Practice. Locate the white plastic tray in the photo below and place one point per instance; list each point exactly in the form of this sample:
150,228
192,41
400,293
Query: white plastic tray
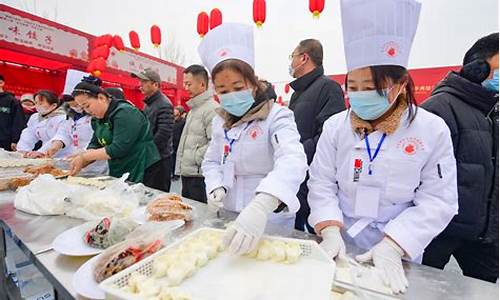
242,278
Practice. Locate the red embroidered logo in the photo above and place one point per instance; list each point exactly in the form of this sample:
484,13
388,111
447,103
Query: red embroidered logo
391,49
223,52
254,132
411,145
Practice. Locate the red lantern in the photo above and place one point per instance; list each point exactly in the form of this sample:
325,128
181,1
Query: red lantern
215,18
280,100
106,39
259,12
97,66
118,43
316,7
202,24
155,36
287,88
134,40
101,51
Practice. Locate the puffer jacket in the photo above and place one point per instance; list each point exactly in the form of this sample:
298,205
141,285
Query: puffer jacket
471,113
196,135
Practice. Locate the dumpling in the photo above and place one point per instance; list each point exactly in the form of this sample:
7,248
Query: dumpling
265,251
293,252
134,280
148,288
278,251
178,272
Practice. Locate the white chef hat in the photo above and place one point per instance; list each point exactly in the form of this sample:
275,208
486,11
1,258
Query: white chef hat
228,41
73,77
378,32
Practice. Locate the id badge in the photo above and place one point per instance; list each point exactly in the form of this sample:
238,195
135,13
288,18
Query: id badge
228,174
367,201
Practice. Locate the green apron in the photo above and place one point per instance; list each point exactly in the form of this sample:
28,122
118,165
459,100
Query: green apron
143,153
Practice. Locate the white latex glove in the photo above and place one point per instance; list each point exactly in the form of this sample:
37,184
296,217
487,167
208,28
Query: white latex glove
244,234
215,198
386,256
332,242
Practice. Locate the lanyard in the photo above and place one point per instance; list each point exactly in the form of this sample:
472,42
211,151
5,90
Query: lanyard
75,134
372,158
231,141
229,146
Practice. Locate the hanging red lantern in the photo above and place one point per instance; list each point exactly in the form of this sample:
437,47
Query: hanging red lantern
97,66
215,18
316,7
106,39
259,12
287,88
202,24
280,100
134,40
155,36
101,51
118,43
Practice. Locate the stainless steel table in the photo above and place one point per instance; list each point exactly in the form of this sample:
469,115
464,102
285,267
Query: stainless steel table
34,234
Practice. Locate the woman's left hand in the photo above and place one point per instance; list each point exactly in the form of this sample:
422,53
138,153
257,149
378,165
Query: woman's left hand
34,154
386,256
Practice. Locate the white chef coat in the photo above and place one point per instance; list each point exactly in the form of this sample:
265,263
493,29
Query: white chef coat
41,129
76,136
414,175
267,157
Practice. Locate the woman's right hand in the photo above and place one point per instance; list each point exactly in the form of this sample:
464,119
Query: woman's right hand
215,199
332,242
76,165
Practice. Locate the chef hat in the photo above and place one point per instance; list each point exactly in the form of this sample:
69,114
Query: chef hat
378,32
73,77
228,41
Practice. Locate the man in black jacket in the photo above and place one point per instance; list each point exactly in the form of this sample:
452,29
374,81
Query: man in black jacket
468,103
159,111
315,99
179,122
12,120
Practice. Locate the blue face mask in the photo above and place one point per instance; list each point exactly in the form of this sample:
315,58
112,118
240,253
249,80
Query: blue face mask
369,105
237,103
492,84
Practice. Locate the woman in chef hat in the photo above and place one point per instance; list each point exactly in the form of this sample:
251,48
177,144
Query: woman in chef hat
254,163
384,174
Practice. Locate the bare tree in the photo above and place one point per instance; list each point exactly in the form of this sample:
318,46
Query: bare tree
173,52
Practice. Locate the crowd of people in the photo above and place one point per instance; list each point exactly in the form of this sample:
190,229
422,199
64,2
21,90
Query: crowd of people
399,181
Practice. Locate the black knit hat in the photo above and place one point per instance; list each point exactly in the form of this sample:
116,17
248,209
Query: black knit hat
116,93
484,48
66,98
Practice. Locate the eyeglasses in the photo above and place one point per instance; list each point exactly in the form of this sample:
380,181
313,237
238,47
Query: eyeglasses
291,56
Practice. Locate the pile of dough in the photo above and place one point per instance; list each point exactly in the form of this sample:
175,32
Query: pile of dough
277,251
182,262
87,181
22,162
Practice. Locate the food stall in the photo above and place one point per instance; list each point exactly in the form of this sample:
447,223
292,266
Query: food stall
35,53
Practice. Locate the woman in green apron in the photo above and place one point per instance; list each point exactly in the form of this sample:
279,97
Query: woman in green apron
122,135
